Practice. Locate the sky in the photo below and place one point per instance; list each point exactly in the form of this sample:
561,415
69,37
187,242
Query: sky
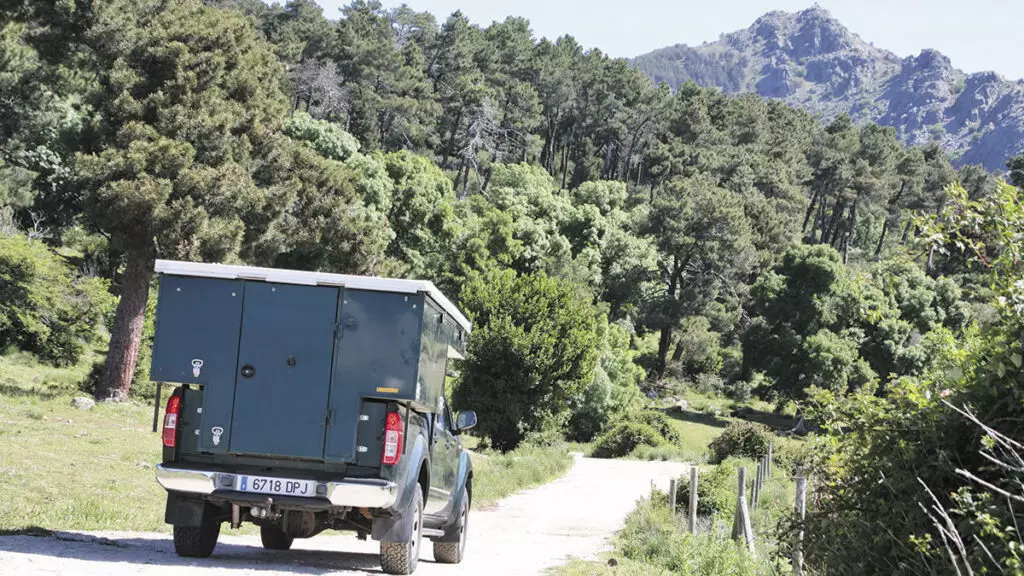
977,36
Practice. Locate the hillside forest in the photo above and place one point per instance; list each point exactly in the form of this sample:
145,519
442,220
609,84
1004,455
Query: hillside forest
610,239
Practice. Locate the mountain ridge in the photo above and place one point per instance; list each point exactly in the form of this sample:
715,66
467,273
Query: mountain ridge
812,61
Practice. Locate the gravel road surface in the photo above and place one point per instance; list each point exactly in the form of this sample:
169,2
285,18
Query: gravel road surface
523,536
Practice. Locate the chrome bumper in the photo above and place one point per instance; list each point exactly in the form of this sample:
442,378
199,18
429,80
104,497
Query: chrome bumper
354,492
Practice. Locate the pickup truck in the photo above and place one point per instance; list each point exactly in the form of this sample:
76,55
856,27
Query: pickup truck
307,402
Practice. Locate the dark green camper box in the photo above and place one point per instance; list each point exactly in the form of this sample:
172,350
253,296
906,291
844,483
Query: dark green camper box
286,360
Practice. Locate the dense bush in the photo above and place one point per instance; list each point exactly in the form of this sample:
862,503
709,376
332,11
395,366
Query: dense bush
615,389
532,354
716,488
654,538
624,438
791,454
742,439
661,423
44,308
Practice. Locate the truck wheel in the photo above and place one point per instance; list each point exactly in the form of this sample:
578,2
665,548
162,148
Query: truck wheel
196,541
274,538
402,557
451,552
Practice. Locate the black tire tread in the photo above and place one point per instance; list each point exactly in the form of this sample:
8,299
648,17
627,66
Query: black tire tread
447,553
402,557
274,538
452,552
394,557
196,541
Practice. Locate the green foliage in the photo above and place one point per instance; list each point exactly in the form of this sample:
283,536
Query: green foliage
615,389
740,439
623,438
653,537
499,475
661,423
327,139
532,354
716,488
44,308
821,325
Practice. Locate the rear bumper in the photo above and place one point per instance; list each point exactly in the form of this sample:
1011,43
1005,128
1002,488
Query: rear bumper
353,493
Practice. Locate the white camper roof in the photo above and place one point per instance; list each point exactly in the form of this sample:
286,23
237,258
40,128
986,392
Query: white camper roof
230,272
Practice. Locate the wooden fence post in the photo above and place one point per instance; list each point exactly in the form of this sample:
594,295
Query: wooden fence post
801,513
672,495
741,525
769,468
755,498
693,499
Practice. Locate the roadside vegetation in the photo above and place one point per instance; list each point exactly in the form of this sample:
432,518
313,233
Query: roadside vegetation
654,541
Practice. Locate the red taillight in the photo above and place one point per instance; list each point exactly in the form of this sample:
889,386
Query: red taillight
392,439
171,421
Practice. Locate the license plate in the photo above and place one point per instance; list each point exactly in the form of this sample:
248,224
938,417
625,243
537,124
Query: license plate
278,486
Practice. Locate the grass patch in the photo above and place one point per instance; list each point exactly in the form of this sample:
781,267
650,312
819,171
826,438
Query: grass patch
654,542
68,469
497,475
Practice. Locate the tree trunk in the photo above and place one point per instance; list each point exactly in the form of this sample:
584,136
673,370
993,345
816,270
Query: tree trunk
906,231
666,332
663,345
810,211
126,337
881,240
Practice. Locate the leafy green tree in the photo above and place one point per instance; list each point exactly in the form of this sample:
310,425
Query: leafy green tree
186,93
615,390
44,308
703,241
533,353
422,213
390,102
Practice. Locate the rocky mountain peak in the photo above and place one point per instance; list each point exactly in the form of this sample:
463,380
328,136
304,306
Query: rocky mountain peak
809,59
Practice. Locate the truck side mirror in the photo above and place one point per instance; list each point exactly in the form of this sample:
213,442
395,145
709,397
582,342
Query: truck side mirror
466,420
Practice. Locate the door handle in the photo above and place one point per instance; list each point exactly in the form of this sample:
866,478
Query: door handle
248,371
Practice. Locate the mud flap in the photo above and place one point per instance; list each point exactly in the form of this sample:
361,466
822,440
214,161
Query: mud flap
394,528
184,510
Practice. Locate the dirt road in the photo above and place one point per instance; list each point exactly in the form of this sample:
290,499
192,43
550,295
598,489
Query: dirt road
524,535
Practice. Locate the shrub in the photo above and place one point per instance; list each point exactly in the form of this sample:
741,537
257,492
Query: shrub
716,488
663,453
624,438
532,355
790,454
44,308
653,537
662,423
743,439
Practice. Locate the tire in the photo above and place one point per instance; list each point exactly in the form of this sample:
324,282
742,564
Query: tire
274,538
196,541
402,557
452,552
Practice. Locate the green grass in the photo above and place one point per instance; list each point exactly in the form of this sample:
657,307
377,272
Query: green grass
497,475
656,543
69,469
